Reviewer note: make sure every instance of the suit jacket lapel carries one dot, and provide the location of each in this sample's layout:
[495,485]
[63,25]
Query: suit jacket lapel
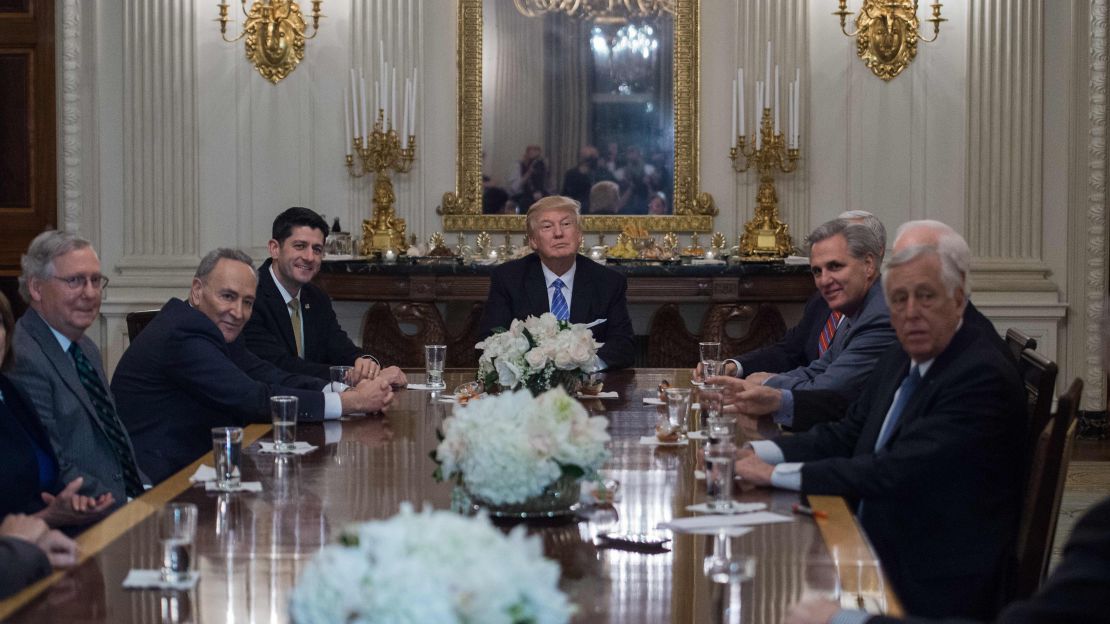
[63,364]
[536,288]
[870,434]
[272,298]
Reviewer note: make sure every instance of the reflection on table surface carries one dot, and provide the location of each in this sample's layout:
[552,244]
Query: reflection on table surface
[251,548]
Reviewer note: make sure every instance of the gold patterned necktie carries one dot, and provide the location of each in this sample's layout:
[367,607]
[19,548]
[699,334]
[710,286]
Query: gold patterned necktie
[295,318]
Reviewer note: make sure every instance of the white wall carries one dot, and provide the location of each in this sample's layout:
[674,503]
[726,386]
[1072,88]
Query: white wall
[173,145]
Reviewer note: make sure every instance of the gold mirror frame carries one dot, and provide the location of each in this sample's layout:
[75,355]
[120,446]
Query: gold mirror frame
[693,210]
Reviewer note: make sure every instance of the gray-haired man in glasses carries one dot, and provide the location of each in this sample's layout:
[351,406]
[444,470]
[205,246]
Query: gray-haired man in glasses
[59,367]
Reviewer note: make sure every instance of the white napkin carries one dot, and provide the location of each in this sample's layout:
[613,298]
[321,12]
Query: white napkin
[697,383]
[600,395]
[447,399]
[699,475]
[712,524]
[244,486]
[696,435]
[140,579]
[203,473]
[422,386]
[654,441]
[654,401]
[737,508]
[299,448]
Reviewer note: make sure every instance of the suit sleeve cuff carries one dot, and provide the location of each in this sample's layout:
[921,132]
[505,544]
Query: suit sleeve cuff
[739,368]
[787,476]
[785,415]
[849,616]
[768,451]
[333,406]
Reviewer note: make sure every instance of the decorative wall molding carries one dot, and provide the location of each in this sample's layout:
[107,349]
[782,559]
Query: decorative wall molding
[1094,268]
[160,178]
[70,163]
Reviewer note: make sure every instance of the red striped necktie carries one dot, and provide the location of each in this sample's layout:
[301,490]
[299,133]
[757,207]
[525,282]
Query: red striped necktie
[828,332]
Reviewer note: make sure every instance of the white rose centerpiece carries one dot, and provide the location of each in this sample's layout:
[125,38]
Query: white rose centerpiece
[538,353]
[419,567]
[513,450]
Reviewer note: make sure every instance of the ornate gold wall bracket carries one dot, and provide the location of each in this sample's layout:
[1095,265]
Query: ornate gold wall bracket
[275,32]
[887,33]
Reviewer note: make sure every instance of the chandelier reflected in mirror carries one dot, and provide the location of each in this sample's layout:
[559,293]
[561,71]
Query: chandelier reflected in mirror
[275,33]
[598,11]
[627,54]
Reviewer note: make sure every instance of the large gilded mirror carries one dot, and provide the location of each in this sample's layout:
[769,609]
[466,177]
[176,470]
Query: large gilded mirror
[556,104]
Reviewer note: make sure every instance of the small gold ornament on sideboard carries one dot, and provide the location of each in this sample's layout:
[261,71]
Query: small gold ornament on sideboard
[275,33]
[887,33]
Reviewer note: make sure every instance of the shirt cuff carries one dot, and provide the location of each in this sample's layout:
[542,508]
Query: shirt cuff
[334,387]
[768,451]
[849,616]
[787,476]
[739,368]
[785,415]
[333,406]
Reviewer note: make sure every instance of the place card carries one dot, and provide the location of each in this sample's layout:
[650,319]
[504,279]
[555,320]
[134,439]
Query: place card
[654,441]
[299,448]
[423,386]
[696,435]
[712,524]
[735,508]
[152,579]
[654,401]
[244,486]
[203,473]
[599,395]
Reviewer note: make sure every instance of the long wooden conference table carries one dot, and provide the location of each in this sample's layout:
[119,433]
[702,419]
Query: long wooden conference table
[251,547]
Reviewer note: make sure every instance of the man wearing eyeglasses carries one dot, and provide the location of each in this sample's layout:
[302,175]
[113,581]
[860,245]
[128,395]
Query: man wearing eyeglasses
[557,279]
[60,370]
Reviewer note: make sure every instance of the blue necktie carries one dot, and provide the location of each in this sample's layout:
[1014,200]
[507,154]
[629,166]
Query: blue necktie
[905,391]
[559,305]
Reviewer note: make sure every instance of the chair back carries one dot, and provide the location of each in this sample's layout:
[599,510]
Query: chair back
[1018,342]
[1049,455]
[137,321]
[671,345]
[383,335]
[1038,373]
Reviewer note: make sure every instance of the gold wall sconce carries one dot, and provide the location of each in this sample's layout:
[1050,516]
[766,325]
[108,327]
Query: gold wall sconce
[275,33]
[887,33]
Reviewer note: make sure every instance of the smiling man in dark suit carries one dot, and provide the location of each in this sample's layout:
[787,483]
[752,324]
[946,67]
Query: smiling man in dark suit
[931,449]
[557,279]
[293,325]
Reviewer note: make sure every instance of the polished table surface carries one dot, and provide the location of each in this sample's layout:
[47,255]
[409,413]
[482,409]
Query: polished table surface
[250,548]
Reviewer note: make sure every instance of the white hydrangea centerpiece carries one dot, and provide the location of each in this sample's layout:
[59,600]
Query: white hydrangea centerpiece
[506,449]
[538,353]
[420,567]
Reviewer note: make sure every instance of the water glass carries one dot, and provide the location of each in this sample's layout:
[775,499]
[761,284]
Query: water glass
[678,406]
[719,458]
[283,414]
[434,357]
[709,397]
[710,368]
[709,351]
[177,530]
[227,442]
[340,375]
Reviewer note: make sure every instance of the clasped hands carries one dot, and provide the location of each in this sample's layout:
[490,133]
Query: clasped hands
[59,549]
[373,394]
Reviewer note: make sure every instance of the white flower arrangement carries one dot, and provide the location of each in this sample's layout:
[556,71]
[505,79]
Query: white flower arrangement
[507,448]
[537,353]
[420,567]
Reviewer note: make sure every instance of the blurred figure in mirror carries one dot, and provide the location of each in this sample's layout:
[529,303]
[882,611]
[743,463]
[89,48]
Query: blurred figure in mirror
[605,197]
[580,179]
[931,450]
[527,180]
[658,204]
[557,279]
[635,179]
[190,370]
[293,325]
[59,369]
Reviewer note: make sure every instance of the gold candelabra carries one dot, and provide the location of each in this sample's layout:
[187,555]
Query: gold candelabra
[382,154]
[275,31]
[765,236]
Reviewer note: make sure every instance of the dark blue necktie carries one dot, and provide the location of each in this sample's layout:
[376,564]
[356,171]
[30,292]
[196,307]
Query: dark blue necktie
[559,305]
[109,422]
[905,391]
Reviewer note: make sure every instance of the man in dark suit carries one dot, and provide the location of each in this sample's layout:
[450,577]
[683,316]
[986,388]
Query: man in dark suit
[931,449]
[557,279]
[190,371]
[58,367]
[293,325]
[1077,591]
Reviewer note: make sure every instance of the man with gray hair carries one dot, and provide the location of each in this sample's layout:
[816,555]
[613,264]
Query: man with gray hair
[844,259]
[60,370]
[931,449]
[190,370]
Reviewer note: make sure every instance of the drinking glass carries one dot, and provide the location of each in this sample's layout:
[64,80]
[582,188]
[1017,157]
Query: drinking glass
[678,406]
[434,356]
[340,375]
[709,354]
[226,445]
[719,458]
[283,414]
[177,529]
[710,400]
